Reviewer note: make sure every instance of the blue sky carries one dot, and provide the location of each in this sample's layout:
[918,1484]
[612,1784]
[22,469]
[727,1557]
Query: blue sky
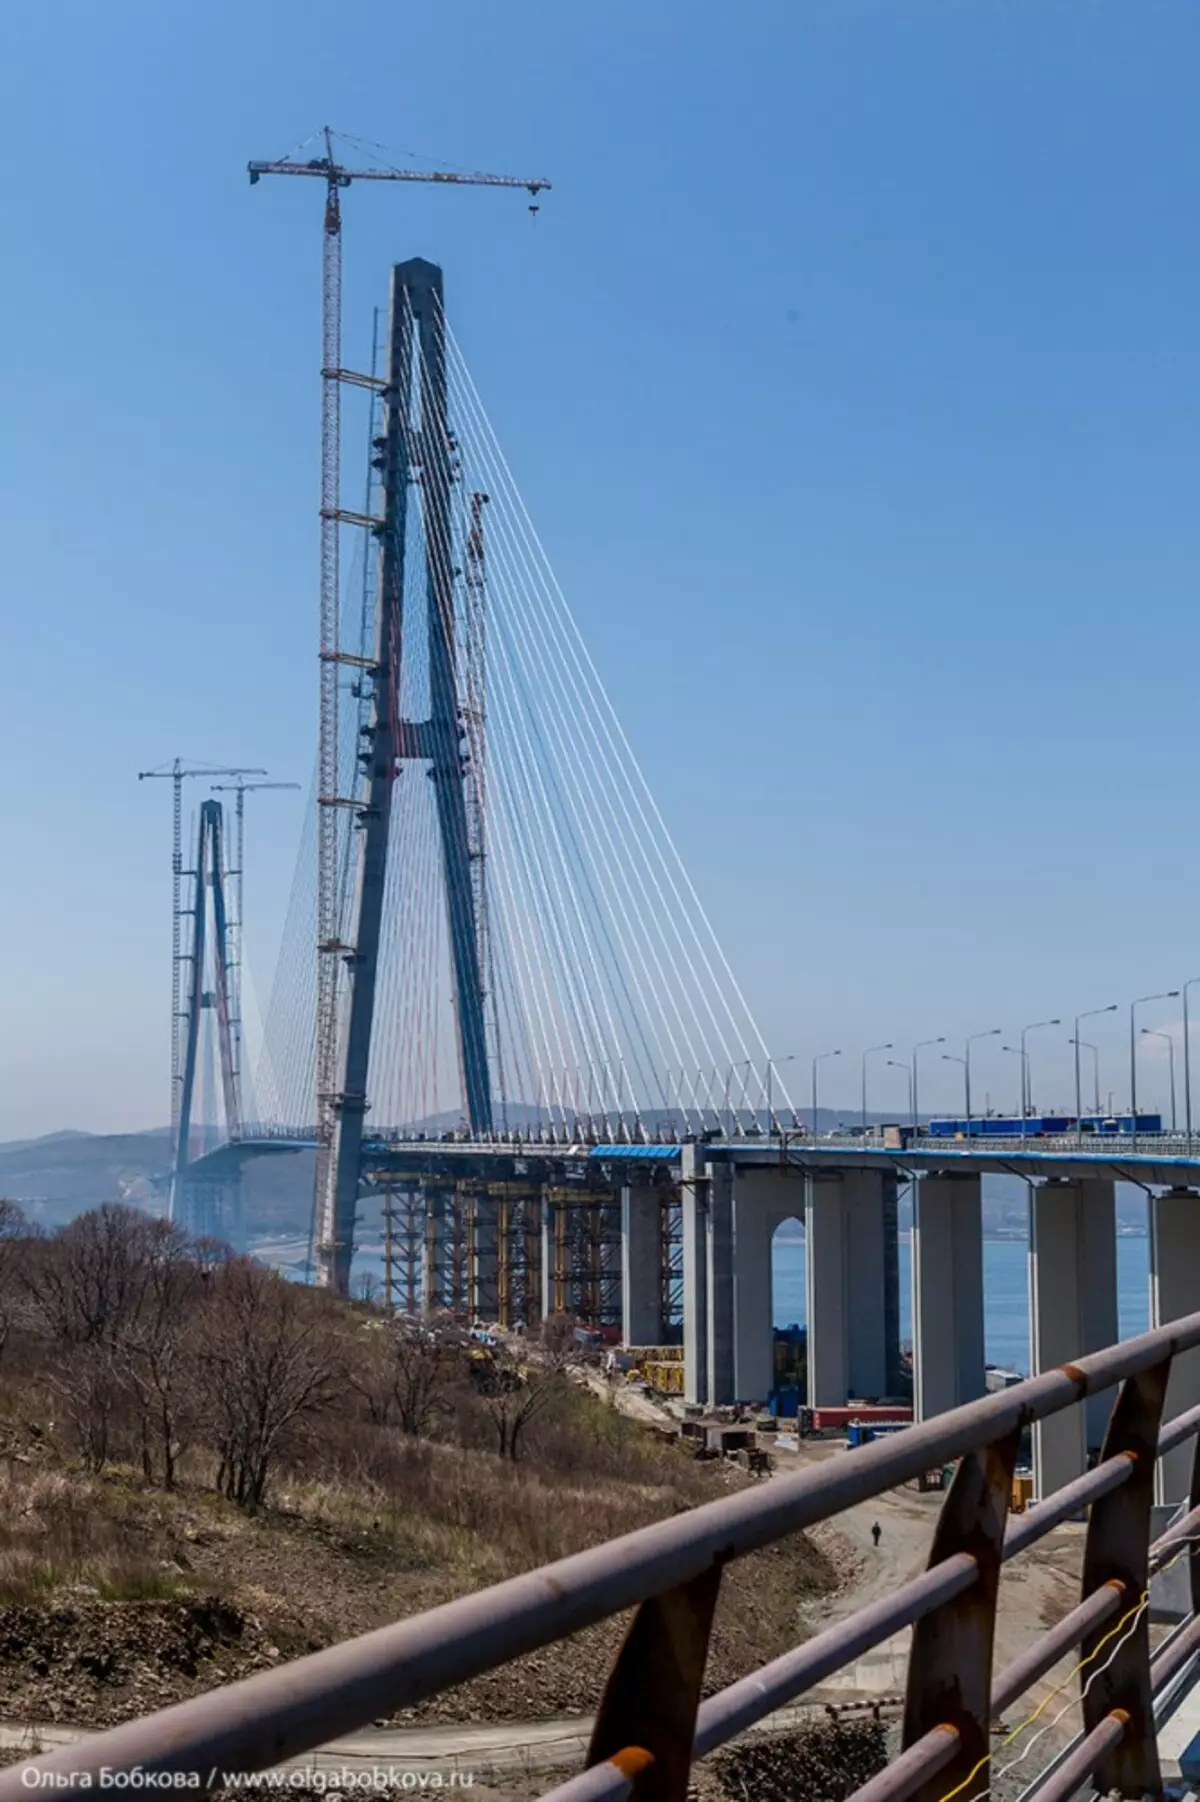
[850,376]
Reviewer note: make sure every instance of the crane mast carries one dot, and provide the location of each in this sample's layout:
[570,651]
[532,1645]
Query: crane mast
[331,952]
[328,947]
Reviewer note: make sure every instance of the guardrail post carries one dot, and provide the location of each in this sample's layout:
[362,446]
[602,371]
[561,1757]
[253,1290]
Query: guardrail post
[647,1719]
[1115,1672]
[1193,1553]
[950,1663]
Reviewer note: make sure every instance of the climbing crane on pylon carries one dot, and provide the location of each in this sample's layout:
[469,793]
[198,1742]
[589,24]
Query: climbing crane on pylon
[337,176]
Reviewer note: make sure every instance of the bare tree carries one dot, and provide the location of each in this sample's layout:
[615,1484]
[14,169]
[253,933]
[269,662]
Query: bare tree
[515,1392]
[88,1284]
[403,1374]
[88,1388]
[266,1358]
[368,1288]
[151,1352]
[14,1231]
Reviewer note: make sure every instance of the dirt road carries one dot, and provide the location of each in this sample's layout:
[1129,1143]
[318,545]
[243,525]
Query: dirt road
[1036,1590]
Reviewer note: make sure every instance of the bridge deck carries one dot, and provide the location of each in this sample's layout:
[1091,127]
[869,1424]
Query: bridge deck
[1160,1161]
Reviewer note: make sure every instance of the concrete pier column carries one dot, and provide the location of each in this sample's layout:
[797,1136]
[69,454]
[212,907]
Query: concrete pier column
[847,1272]
[641,1266]
[947,1276]
[1175,1291]
[720,1284]
[433,1253]
[730,1213]
[1073,1310]
[758,1196]
[826,1286]
[872,1312]
[891,1281]
[693,1183]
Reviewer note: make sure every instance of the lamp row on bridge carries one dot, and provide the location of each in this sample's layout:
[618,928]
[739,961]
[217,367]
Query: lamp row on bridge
[911,1067]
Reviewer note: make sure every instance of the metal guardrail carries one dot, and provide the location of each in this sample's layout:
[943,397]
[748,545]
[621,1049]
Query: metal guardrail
[1109,1146]
[652,1723]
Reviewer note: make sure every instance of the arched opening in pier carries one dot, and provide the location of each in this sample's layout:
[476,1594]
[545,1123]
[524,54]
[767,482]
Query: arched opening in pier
[789,1310]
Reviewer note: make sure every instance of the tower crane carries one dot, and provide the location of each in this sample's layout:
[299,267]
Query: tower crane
[241,788]
[336,177]
[178,773]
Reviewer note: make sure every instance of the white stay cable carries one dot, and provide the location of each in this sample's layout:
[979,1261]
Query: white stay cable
[588,803]
[614,732]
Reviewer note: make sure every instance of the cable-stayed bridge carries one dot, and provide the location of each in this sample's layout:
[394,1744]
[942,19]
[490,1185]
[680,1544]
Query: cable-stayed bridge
[516,951]
[499,1005]
[500,1008]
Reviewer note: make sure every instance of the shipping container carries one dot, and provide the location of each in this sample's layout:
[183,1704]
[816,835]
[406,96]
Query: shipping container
[836,1420]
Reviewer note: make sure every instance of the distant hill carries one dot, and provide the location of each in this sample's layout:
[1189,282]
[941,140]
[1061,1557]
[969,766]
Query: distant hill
[66,1173]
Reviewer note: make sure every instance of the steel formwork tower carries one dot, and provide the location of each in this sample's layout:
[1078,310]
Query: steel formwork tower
[414,450]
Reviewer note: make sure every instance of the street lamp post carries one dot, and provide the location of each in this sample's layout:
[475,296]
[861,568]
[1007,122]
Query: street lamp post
[948,1057]
[1024,1057]
[1187,1062]
[993,1032]
[894,1064]
[1091,1014]
[772,1123]
[920,1046]
[866,1054]
[820,1057]
[1086,1045]
[1027,1097]
[1151,1032]
[1166,995]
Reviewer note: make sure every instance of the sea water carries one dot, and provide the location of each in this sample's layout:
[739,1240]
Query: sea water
[1005,1292]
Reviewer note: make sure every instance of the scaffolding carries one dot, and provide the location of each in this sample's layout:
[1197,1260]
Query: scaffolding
[671,1258]
[511,1253]
[403,1237]
[584,1234]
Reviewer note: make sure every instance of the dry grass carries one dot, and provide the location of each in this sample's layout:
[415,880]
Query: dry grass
[590,1474]
[123,1482]
[336,1554]
[61,1532]
[480,1515]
